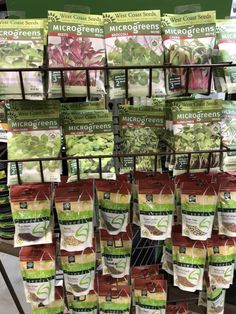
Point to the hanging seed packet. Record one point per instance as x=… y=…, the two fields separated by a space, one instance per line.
x=114 y=204
x=221 y=257
x=134 y=38
x=107 y=279
x=215 y=300
x=114 y=299
x=166 y=260
x=226 y=43
x=21 y=46
x=89 y=133
x=226 y=210
x=83 y=304
x=228 y=131
x=150 y=296
x=76 y=40
x=198 y=206
x=56 y=307
x=79 y=271
x=34 y=132
x=37 y=266
x=74 y=206
x=196 y=127
x=141 y=128
x=31 y=212
x=116 y=252
x=189 y=259
x=178 y=308
x=156 y=205
x=188 y=39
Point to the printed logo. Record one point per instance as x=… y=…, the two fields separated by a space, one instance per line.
x=23 y=205
x=192 y=198
x=182 y=250
x=227 y=196
x=66 y=206
x=149 y=198
x=30 y=265
x=71 y=259
x=109 y=243
x=144 y=292
x=106 y=196
x=108 y=298
x=216 y=249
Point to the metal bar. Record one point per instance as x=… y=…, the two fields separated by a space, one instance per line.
x=187 y=81
x=209 y=162
x=189 y=161
x=11 y=289
x=78 y=169
x=22 y=84
x=134 y=167
x=210 y=81
x=88 y=84
x=155 y=165
x=126 y=83
x=100 y=168
x=62 y=85
x=150 y=83
x=41 y=170
x=17 y=172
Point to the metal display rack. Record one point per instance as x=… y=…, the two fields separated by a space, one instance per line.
x=141 y=244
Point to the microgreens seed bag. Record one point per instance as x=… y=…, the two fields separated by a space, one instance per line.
x=84 y=304
x=215 y=300
x=141 y=128
x=37 y=266
x=156 y=205
x=196 y=126
x=116 y=252
x=228 y=132
x=226 y=44
x=56 y=307
x=79 y=271
x=114 y=299
x=21 y=46
x=189 y=259
x=226 y=210
x=134 y=38
x=166 y=260
x=74 y=206
x=34 y=132
x=76 y=40
x=221 y=257
x=150 y=296
x=188 y=39
x=198 y=206
x=89 y=133
x=114 y=204
x=31 y=212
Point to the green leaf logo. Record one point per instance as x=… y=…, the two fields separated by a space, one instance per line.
x=194 y=275
x=85 y=280
x=45 y=288
x=163 y=222
x=121 y=265
x=228 y=272
x=82 y=232
x=205 y=223
x=118 y=220
x=40 y=229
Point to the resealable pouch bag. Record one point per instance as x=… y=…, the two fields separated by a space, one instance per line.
x=76 y=40
x=37 y=266
x=134 y=39
x=31 y=211
x=167 y=260
x=83 y=304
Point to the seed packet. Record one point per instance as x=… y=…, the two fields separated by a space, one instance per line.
x=221 y=257
x=189 y=259
x=89 y=133
x=188 y=39
x=114 y=204
x=215 y=300
x=21 y=46
x=114 y=299
x=178 y=308
x=166 y=260
x=76 y=40
x=83 y=304
x=110 y=281
x=141 y=128
x=116 y=252
x=228 y=131
x=31 y=212
x=74 y=206
x=37 y=266
x=198 y=206
x=56 y=307
x=156 y=205
x=226 y=43
x=34 y=132
x=226 y=210
x=196 y=127
x=150 y=296
x=134 y=38
x=79 y=271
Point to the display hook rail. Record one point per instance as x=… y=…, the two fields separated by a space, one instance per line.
x=108 y=69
